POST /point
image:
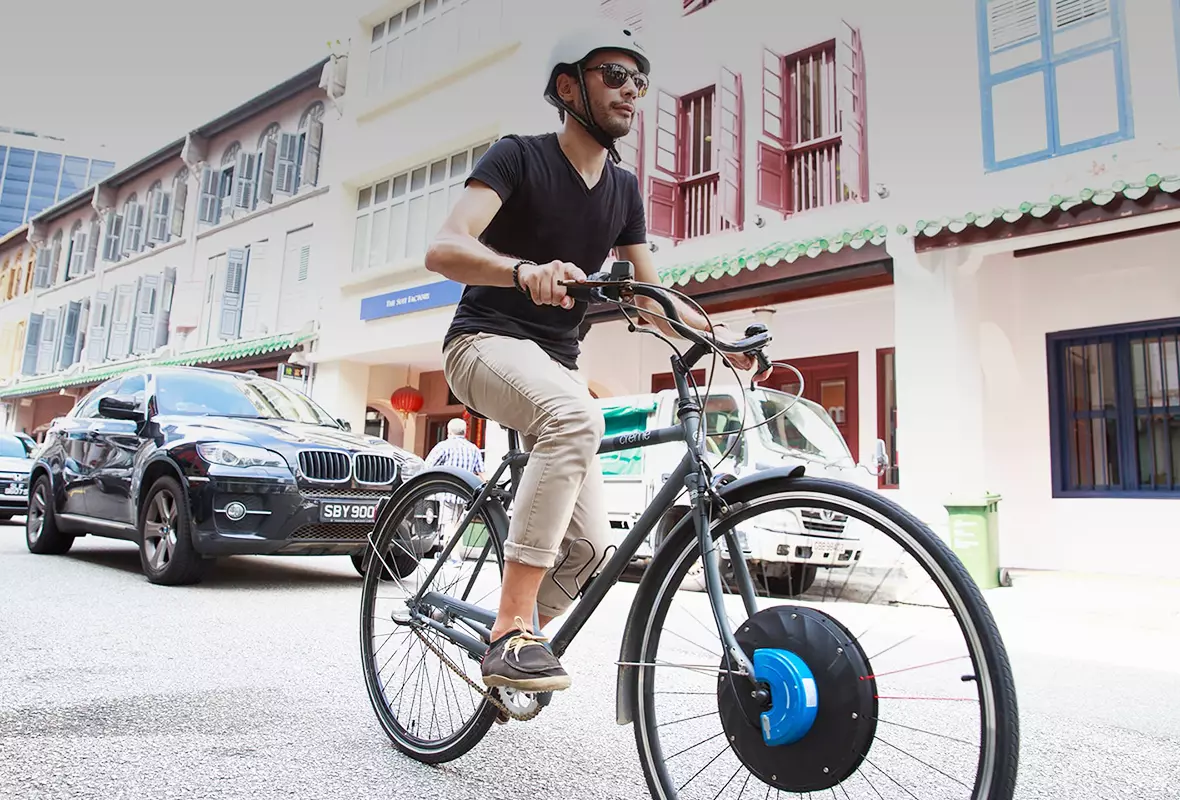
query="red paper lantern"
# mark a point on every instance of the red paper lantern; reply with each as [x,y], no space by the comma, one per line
[406,400]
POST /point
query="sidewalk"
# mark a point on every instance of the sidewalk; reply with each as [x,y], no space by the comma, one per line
[1112,619]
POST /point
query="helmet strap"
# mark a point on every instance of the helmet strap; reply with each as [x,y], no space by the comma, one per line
[602,137]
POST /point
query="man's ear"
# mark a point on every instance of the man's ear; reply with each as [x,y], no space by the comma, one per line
[567,89]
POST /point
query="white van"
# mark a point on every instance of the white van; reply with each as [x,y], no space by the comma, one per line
[786,556]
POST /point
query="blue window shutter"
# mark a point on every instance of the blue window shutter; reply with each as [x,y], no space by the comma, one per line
[50,336]
[92,246]
[113,246]
[285,171]
[41,271]
[266,166]
[310,173]
[233,292]
[100,326]
[164,305]
[69,335]
[32,345]
[179,197]
[210,210]
[146,303]
[119,344]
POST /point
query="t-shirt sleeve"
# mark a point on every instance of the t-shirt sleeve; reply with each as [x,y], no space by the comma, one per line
[635,225]
[501,167]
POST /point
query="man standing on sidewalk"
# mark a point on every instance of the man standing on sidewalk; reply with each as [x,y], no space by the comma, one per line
[456,451]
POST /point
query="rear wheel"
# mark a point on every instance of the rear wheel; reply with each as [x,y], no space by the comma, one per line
[42,536]
[427,704]
[904,671]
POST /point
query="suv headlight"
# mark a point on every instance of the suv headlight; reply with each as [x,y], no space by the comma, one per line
[240,455]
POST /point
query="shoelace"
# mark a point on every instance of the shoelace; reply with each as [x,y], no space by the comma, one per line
[523,639]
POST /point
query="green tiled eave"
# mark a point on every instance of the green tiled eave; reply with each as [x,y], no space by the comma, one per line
[230,351]
[732,263]
[1169,184]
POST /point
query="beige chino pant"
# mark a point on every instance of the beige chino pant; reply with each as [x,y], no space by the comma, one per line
[559,514]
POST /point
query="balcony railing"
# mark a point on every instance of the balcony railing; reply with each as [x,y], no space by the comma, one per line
[814,170]
[700,214]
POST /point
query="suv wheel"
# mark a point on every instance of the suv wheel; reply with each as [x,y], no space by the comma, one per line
[41,532]
[165,542]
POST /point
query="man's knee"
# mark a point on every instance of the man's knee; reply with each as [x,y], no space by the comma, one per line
[581,424]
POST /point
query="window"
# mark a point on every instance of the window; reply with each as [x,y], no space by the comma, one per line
[1053,78]
[427,37]
[43,192]
[310,143]
[158,203]
[887,416]
[14,192]
[698,145]
[397,216]
[133,222]
[813,113]
[1115,410]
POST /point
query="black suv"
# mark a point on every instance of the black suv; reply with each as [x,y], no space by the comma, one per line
[195,463]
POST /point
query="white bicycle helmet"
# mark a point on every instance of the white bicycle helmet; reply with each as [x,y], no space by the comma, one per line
[570,54]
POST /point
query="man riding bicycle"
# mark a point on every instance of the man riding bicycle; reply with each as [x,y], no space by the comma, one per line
[536,211]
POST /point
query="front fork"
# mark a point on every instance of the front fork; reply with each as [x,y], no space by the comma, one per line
[701,507]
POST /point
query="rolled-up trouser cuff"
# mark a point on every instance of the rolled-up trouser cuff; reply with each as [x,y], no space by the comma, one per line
[529,556]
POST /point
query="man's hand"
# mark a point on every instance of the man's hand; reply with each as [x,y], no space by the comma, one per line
[740,361]
[541,281]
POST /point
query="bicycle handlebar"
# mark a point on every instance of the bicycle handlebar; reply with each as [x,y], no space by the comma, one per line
[617,286]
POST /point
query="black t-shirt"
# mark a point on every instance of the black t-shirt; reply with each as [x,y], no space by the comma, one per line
[548,214]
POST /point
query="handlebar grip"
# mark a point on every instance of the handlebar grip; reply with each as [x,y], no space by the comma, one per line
[764,364]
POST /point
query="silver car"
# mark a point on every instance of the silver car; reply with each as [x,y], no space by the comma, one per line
[16,462]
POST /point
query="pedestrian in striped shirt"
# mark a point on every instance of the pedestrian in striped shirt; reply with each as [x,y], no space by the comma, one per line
[456,451]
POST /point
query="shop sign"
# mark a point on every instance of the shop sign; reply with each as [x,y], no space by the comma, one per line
[406,301]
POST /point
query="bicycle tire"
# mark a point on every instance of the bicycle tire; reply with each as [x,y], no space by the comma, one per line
[494,516]
[681,550]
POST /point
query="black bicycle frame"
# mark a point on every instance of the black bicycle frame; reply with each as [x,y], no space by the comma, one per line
[688,473]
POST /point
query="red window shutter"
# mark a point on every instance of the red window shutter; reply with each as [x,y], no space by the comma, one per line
[773,183]
[663,208]
[668,133]
[728,138]
[854,167]
[774,123]
[630,147]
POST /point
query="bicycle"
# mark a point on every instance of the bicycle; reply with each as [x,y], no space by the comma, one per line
[801,701]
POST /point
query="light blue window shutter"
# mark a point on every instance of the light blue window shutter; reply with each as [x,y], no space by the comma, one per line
[41,270]
[69,335]
[119,345]
[285,168]
[311,155]
[244,181]
[164,305]
[145,314]
[92,246]
[49,339]
[233,292]
[32,345]
[100,326]
[210,210]
[113,246]
[266,183]
[179,197]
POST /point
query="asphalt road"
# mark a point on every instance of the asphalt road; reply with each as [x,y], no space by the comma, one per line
[249,685]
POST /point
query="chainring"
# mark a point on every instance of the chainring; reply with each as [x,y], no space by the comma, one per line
[846,720]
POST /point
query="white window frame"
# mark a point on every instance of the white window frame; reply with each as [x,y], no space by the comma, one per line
[432,37]
[383,230]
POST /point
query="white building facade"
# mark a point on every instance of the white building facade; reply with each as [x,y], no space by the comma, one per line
[200,253]
[791,158]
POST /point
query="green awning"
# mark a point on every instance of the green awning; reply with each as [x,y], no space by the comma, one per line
[1094,197]
[229,351]
[625,415]
[733,263]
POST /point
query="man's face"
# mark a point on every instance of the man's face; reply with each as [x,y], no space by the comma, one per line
[613,109]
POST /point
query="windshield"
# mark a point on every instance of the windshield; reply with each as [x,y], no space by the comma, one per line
[805,427]
[232,395]
[12,447]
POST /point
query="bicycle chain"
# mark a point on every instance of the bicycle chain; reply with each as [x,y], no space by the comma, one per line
[495,701]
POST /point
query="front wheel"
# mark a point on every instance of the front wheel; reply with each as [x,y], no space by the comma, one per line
[166,549]
[900,679]
[42,536]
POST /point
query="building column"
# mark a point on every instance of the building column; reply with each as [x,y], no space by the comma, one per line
[342,388]
[939,378]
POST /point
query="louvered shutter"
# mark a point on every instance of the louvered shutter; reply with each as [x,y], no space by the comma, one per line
[176,218]
[728,124]
[312,153]
[668,133]
[164,305]
[266,184]
[854,168]
[147,291]
[231,294]
[32,345]
[96,337]
[663,208]
[69,335]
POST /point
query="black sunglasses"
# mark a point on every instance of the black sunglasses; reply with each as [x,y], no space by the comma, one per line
[615,77]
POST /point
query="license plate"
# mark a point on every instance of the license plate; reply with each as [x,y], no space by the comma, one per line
[347,512]
[18,489]
[823,546]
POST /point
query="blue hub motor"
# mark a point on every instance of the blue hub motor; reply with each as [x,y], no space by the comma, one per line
[807,721]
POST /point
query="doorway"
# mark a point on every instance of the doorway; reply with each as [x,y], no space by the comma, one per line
[831,382]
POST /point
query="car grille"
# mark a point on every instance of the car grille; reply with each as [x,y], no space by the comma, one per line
[369,468]
[823,521]
[332,493]
[325,465]
[335,466]
[337,532]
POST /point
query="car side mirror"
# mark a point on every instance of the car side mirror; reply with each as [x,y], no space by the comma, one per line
[344,424]
[116,407]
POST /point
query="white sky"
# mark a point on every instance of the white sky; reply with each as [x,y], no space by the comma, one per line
[134,75]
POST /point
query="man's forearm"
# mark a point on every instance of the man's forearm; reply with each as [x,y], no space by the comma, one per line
[467,260]
[688,315]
